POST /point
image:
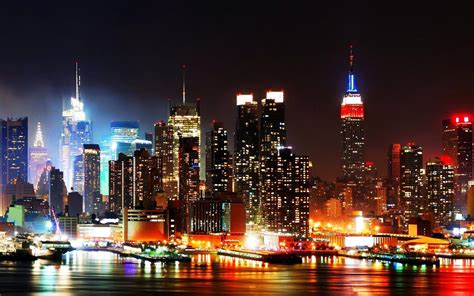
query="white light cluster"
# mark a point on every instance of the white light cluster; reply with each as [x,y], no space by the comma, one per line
[277,96]
[243,99]
[352,99]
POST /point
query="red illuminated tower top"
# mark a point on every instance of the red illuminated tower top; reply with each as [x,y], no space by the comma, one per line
[352,106]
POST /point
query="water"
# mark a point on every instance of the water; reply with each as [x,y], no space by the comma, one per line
[105,273]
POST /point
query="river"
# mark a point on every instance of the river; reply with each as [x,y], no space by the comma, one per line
[96,273]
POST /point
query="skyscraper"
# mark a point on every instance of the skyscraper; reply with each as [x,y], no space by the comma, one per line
[76,132]
[14,148]
[411,182]
[246,158]
[457,149]
[91,197]
[393,176]
[164,151]
[37,158]
[122,134]
[353,140]
[217,160]
[57,190]
[440,189]
[188,179]
[272,137]
[286,186]
[134,181]
[352,129]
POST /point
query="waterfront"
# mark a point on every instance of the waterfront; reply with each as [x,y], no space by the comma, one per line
[105,273]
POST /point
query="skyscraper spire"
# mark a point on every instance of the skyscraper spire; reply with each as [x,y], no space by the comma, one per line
[39,137]
[184,84]
[78,82]
[351,86]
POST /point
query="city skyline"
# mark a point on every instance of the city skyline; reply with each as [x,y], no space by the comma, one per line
[313,80]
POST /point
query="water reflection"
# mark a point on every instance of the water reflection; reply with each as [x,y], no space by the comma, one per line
[102,272]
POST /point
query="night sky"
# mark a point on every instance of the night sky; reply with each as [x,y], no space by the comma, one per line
[414,66]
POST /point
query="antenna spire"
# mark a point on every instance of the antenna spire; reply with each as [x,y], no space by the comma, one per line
[184,84]
[78,82]
[351,58]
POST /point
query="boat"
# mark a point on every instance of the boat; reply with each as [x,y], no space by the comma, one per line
[270,257]
[52,249]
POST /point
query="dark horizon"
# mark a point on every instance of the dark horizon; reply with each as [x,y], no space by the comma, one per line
[412,71]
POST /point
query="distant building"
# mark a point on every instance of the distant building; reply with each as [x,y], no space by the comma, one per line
[134,181]
[164,152]
[76,132]
[272,137]
[457,150]
[286,184]
[38,157]
[14,150]
[217,160]
[188,179]
[411,181]
[246,158]
[333,208]
[92,197]
[470,200]
[440,189]
[68,226]
[75,203]
[353,139]
[57,190]
[122,134]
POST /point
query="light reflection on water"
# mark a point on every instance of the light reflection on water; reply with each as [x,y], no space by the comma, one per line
[103,272]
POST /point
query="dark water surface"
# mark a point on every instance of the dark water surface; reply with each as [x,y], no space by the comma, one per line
[96,273]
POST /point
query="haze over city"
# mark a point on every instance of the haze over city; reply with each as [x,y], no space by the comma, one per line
[412,71]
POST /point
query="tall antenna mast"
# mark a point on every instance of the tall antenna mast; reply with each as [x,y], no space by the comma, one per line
[184,84]
[78,82]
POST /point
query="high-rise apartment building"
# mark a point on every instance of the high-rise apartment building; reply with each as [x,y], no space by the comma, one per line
[411,181]
[286,184]
[246,156]
[188,179]
[91,164]
[217,160]
[440,191]
[457,149]
[164,151]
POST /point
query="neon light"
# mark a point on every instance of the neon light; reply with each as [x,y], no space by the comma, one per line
[351,87]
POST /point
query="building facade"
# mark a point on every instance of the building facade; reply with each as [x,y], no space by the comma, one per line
[217,160]
[440,191]
[246,158]
[37,157]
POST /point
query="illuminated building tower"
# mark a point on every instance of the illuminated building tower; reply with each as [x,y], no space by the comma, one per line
[457,149]
[188,179]
[14,148]
[286,184]
[91,162]
[411,182]
[393,179]
[272,136]
[353,138]
[56,190]
[134,181]
[122,134]
[76,132]
[246,161]
[440,187]
[78,174]
[217,160]
[164,152]
[37,158]
[105,157]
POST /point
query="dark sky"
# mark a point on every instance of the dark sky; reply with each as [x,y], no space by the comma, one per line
[414,65]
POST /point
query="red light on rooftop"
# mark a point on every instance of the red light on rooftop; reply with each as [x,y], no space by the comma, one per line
[369,163]
[461,118]
[446,159]
[352,111]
